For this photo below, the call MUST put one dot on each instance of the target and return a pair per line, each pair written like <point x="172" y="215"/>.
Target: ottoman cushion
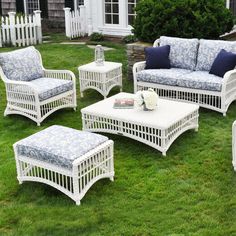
<point x="59" y="145"/>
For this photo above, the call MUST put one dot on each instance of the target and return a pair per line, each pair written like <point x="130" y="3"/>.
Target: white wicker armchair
<point x="28" y="98"/>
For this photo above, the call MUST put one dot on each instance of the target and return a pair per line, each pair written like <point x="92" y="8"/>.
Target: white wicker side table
<point x="101" y="78"/>
<point x="66" y="159"/>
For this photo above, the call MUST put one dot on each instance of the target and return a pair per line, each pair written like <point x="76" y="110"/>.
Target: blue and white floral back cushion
<point x="59" y="145"/>
<point x="183" y="52"/>
<point x="208" y="50"/>
<point x="22" y="64"/>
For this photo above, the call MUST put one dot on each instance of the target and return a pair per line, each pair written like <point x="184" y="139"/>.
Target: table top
<point x="92" y="67"/>
<point x="167" y="113"/>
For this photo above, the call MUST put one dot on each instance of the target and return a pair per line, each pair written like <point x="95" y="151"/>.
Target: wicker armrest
<point x="229" y="80"/>
<point x="21" y="87"/>
<point x="60" y="74"/>
<point x="138" y="66"/>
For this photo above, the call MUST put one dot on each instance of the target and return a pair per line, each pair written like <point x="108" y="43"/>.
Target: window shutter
<point x="69" y="3"/>
<point x="44" y="8"/>
<point x="0" y="7"/>
<point x="20" y="6"/>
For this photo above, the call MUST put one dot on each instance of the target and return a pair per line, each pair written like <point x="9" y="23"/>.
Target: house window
<point x="131" y="11"/>
<point x="112" y="11"/>
<point x="31" y="6"/>
<point x="78" y="3"/>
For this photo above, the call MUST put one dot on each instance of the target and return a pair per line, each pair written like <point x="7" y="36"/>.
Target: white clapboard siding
<point x="75" y="22"/>
<point x="20" y="30"/>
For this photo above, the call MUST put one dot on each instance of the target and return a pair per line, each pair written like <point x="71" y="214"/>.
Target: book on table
<point x="124" y="103"/>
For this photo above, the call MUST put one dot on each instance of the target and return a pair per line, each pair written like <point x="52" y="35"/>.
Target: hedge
<point x="182" y="18"/>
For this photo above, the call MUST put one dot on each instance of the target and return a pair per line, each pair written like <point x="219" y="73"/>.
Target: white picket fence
<point x="75" y="22"/>
<point x="20" y="30"/>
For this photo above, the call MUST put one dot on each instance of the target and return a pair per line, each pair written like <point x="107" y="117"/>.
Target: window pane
<point x="107" y="8"/>
<point x="130" y="20"/>
<point x="108" y="19"/>
<point x="115" y="19"/>
<point x="131" y="9"/>
<point x="115" y="8"/>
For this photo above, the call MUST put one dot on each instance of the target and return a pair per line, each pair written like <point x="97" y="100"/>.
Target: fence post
<point x="67" y="21"/>
<point x="37" y="14"/>
<point x="82" y="11"/>
<point x="228" y="4"/>
<point x="12" y="21"/>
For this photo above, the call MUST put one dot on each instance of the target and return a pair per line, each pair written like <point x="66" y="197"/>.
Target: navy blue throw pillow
<point x="223" y="62"/>
<point x="157" y="57"/>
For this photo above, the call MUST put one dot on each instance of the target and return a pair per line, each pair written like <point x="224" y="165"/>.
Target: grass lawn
<point x="192" y="191"/>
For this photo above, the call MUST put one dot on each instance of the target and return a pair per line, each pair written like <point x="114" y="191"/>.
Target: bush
<point x="182" y="18"/>
<point x="129" y="39"/>
<point x="96" y="37"/>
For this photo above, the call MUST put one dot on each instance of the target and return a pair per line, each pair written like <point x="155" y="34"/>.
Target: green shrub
<point x="129" y="39"/>
<point x="182" y="18"/>
<point x="97" y="37"/>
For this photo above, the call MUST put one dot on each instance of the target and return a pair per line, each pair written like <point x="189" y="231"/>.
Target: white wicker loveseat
<point x="189" y="79"/>
<point x="33" y="91"/>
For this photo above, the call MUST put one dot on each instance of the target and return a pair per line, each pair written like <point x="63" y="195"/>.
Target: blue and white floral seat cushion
<point x="162" y="76"/>
<point x="200" y="80"/>
<point x="22" y="64"/>
<point x="50" y="87"/>
<point x="182" y="78"/>
<point x="58" y="145"/>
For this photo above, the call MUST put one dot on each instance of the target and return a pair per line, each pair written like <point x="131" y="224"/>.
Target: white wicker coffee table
<point x="157" y="129"/>
<point x="101" y="78"/>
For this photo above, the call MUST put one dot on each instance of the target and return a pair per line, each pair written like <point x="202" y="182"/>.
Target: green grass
<point x="192" y="191"/>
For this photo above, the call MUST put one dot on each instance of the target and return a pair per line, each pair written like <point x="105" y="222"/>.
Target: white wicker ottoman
<point x="67" y="159"/>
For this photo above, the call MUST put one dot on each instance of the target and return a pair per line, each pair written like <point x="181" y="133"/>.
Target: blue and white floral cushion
<point x="208" y="51"/>
<point x="183" y="52"/>
<point x="59" y="145"/>
<point x="162" y="76"/>
<point x="200" y="80"/>
<point x="50" y="87"/>
<point x="22" y="64"/>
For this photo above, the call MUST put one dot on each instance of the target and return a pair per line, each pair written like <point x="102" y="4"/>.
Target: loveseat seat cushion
<point x="22" y="64"/>
<point x="50" y="87"/>
<point x="183" y="52"/>
<point x="209" y="49"/>
<point x="162" y="76"/>
<point x="59" y="145"/>
<point x="200" y="80"/>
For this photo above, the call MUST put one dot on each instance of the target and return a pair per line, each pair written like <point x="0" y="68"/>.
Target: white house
<point x="110" y="17"/>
